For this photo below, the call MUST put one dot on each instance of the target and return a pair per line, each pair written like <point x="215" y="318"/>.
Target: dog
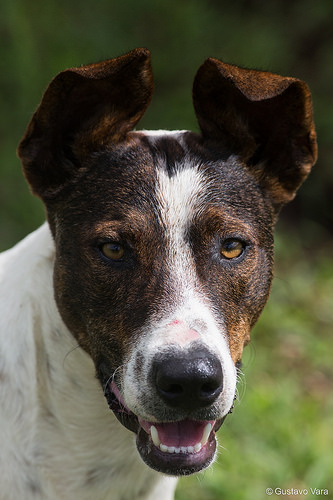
<point x="124" y="317"/>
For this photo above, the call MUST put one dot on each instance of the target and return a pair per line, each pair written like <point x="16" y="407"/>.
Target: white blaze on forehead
<point x="180" y="199"/>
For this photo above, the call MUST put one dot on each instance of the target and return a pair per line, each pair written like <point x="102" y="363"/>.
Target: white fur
<point x="162" y="132"/>
<point x="180" y="198"/>
<point x="58" y="439"/>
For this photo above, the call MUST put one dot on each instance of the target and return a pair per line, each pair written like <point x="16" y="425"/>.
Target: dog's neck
<point x="73" y="427"/>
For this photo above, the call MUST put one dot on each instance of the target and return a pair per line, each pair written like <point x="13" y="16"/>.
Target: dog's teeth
<point x="154" y="436"/>
<point x="206" y="434"/>
<point x="181" y="449"/>
<point x="197" y="447"/>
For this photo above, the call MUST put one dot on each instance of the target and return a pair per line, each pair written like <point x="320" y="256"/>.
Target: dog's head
<point x="164" y="239"/>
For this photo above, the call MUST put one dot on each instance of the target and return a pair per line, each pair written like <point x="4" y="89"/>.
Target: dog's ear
<point x="264" y="118"/>
<point x="82" y="110"/>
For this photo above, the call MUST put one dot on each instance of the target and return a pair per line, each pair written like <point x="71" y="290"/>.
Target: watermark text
<point x="297" y="492"/>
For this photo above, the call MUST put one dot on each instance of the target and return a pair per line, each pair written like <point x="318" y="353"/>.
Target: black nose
<point x="188" y="381"/>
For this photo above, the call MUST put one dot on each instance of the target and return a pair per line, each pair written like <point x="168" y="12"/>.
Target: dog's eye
<point x="232" y="248"/>
<point x="113" y="251"/>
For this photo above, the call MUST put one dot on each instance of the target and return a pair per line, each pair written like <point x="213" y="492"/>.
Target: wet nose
<point x="188" y="381"/>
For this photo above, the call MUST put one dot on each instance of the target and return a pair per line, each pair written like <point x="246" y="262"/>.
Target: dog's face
<point x="164" y="240"/>
<point x="161" y="270"/>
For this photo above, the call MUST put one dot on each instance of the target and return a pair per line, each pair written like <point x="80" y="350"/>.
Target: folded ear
<point x="82" y="110"/>
<point x="264" y="118"/>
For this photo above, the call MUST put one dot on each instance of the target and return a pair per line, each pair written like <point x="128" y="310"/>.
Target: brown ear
<point x="82" y="110"/>
<point x="264" y="118"/>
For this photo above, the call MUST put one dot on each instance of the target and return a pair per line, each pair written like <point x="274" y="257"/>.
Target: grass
<point x="280" y="434"/>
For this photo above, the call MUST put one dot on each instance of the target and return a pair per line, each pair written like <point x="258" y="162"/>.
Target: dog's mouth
<point x="175" y="448"/>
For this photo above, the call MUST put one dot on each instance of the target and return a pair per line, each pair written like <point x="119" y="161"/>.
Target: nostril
<point x="171" y="392"/>
<point x="209" y="388"/>
<point x="175" y="389"/>
<point x="166" y="386"/>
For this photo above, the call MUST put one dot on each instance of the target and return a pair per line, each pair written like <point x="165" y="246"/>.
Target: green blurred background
<point x="281" y="432"/>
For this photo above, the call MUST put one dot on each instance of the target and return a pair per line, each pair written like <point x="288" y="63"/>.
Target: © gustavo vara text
<point x="298" y="492"/>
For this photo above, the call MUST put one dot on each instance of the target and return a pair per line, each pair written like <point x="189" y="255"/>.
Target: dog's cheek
<point x="100" y="310"/>
<point x="66" y="296"/>
<point x="96" y="335"/>
<point x="240" y="295"/>
<point x="239" y="337"/>
<point x="76" y="297"/>
<point x="242" y="319"/>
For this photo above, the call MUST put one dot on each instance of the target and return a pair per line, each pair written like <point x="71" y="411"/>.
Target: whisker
<point x="241" y="385"/>
<point x="69" y="352"/>
<point x="111" y="378"/>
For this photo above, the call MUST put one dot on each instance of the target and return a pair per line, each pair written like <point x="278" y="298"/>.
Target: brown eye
<point x="231" y="249"/>
<point x="113" y="251"/>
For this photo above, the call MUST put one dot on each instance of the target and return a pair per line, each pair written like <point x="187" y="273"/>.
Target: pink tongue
<point x="183" y="433"/>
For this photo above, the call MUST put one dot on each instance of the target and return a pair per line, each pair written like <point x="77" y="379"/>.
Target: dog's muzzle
<point x="181" y="439"/>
